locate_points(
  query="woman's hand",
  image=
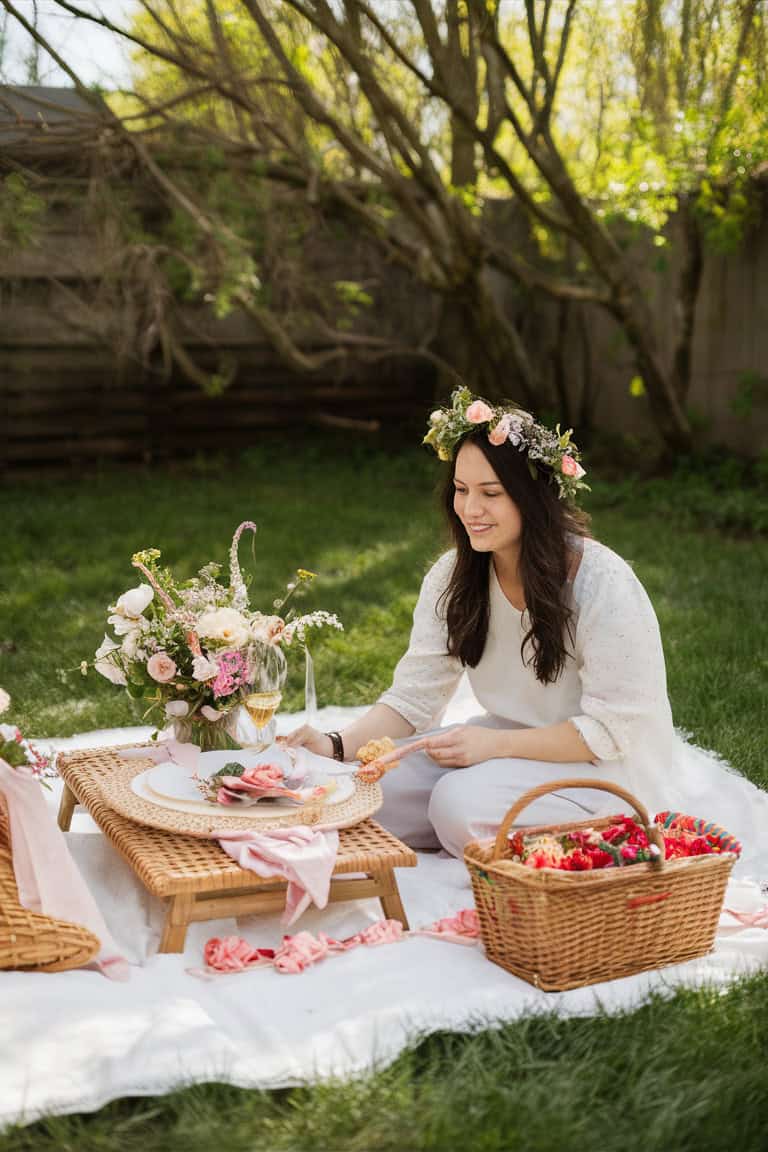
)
(310, 738)
(464, 745)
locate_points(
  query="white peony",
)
(8, 731)
(133, 602)
(176, 708)
(204, 669)
(5, 701)
(224, 626)
(106, 667)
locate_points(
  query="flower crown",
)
(448, 426)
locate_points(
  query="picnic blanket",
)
(72, 1041)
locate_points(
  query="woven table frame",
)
(30, 941)
(561, 930)
(201, 882)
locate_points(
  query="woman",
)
(558, 637)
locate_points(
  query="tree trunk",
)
(672, 424)
(485, 347)
(688, 285)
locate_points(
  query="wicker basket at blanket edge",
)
(29, 941)
(560, 930)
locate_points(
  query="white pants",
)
(428, 806)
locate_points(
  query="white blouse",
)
(613, 687)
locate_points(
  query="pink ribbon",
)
(758, 919)
(297, 953)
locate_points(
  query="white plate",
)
(170, 785)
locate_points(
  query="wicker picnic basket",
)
(28, 940)
(561, 930)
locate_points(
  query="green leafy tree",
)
(411, 117)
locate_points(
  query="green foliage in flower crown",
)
(508, 423)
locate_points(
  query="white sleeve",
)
(426, 677)
(620, 661)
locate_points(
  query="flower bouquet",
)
(198, 656)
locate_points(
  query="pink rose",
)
(500, 433)
(571, 467)
(161, 667)
(479, 412)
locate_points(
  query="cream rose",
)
(225, 626)
(267, 629)
(5, 701)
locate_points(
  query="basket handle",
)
(652, 831)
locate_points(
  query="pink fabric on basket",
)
(303, 856)
(46, 875)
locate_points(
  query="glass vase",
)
(209, 736)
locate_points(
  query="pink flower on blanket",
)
(382, 932)
(478, 412)
(233, 954)
(161, 668)
(300, 951)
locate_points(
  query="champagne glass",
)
(267, 672)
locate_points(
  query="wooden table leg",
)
(66, 808)
(177, 921)
(390, 897)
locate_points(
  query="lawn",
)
(682, 1073)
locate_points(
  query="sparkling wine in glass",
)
(268, 672)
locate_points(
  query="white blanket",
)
(73, 1041)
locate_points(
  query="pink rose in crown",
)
(161, 668)
(500, 433)
(571, 467)
(479, 412)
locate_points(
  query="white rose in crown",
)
(224, 626)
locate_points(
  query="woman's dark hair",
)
(546, 522)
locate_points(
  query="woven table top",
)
(168, 863)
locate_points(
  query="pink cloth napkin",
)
(46, 875)
(303, 856)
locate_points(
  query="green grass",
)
(687, 1072)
